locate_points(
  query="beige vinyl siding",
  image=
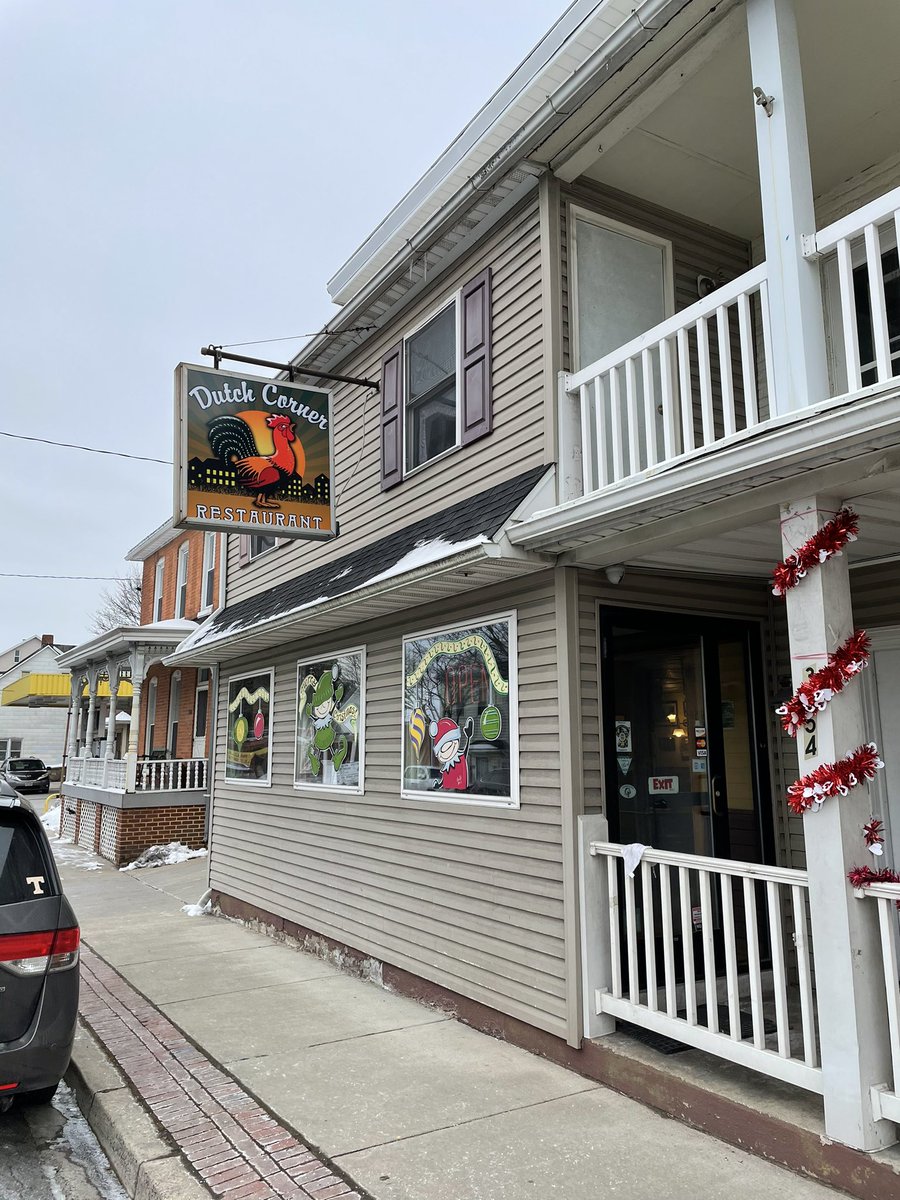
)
(720, 597)
(468, 896)
(516, 443)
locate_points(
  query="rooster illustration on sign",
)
(234, 443)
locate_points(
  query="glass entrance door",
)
(685, 747)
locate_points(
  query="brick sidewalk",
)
(237, 1149)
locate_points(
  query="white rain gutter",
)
(646, 20)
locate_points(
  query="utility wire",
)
(22, 437)
(14, 575)
(295, 337)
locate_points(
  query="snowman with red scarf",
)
(450, 750)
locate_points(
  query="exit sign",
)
(659, 784)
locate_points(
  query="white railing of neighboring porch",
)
(887, 896)
(699, 995)
(115, 773)
(74, 770)
(860, 239)
(170, 774)
(684, 385)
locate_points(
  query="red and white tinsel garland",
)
(823, 685)
(861, 877)
(824, 544)
(834, 779)
(873, 834)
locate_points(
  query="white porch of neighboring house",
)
(118, 800)
(707, 444)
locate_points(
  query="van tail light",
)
(35, 953)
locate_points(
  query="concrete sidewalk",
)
(406, 1102)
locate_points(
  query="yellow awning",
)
(52, 689)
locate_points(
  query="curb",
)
(148, 1164)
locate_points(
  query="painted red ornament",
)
(834, 779)
(259, 726)
(826, 543)
(816, 692)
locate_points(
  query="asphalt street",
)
(48, 1152)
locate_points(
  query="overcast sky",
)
(178, 172)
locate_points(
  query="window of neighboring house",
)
(181, 579)
(209, 570)
(158, 581)
(174, 705)
(9, 747)
(430, 392)
(16, 657)
(201, 710)
(150, 719)
(259, 543)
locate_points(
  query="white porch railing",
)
(688, 383)
(92, 771)
(115, 773)
(74, 770)
(886, 1099)
(710, 952)
(170, 775)
(860, 241)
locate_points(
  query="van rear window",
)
(23, 870)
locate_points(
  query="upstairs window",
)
(436, 384)
(209, 570)
(260, 543)
(430, 389)
(181, 580)
(158, 581)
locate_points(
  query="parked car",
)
(39, 956)
(26, 774)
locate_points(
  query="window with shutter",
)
(436, 384)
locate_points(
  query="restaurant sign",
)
(252, 455)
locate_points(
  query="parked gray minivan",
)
(39, 973)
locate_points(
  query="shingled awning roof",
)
(455, 550)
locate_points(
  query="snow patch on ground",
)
(197, 910)
(70, 855)
(81, 1147)
(164, 856)
(50, 820)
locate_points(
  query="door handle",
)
(716, 793)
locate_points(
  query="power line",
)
(15, 575)
(22, 437)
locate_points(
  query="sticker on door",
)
(658, 785)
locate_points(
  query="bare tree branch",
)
(119, 604)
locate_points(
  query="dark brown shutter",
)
(475, 388)
(392, 417)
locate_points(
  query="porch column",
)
(112, 671)
(798, 370)
(93, 680)
(853, 1023)
(138, 671)
(77, 684)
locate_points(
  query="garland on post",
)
(816, 692)
(826, 543)
(832, 779)
(861, 877)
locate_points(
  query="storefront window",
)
(460, 721)
(247, 758)
(330, 721)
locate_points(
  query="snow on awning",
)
(455, 550)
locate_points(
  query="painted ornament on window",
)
(259, 726)
(239, 730)
(417, 727)
(323, 709)
(491, 723)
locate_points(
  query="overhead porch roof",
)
(461, 548)
(36, 690)
(154, 639)
(847, 447)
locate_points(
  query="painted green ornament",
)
(491, 723)
(240, 730)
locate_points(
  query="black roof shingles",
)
(484, 514)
